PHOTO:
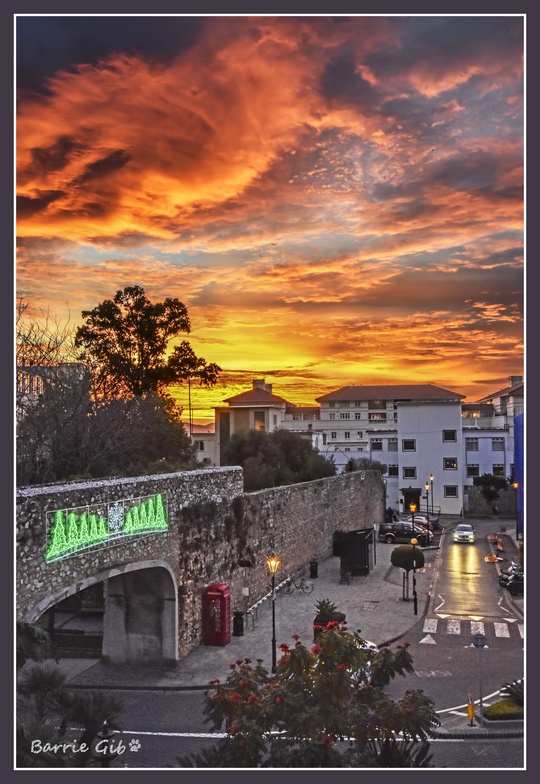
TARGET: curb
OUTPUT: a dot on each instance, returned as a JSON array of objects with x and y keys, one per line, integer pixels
[{"x": 487, "y": 734}]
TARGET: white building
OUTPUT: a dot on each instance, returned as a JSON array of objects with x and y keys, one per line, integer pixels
[{"x": 423, "y": 434}]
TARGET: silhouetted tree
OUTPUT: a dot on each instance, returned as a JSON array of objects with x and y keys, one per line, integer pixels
[{"x": 125, "y": 341}]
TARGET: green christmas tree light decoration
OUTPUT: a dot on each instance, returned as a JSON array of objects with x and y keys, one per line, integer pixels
[
  {"x": 58, "y": 537},
  {"x": 89, "y": 530}
]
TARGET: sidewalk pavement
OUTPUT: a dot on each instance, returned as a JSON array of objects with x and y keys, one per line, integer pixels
[{"x": 373, "y": 605}]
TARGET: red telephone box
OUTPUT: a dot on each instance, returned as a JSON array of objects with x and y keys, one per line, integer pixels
[{"x": 217, "y": 614}]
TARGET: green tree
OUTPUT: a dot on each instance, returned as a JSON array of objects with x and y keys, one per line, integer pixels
[
  {"x": 407, "y": 557},
  {"x": 318, "y": 698},
  {"x": 125, "y": 341},
  {"x": 277, "y": 458},
  {"x": 365, "y": 464},
  {"x": 490, "y": 487}
]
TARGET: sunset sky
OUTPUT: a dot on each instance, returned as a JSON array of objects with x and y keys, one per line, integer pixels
[{"x": 336, "y": 200}]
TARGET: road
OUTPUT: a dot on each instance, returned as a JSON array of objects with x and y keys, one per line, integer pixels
[{"x": 466, "y": 599}]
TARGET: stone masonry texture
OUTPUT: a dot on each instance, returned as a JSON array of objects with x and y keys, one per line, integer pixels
[{"x": 212, "y": 525}]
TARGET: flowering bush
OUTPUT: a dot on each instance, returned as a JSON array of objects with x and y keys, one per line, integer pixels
[{"x": 318, "y": 697}]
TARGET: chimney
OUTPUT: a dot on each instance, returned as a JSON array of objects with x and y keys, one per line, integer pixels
[
  {"x": 513, "y": 380},
  {"x": 268, "y": 387},
  {"x": 258, "y": 383}
]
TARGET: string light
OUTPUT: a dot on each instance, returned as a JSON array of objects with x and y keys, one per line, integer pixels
[{"x": 71, "y": 532}]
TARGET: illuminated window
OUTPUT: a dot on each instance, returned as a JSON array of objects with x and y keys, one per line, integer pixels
[
  {"x": 377, "y": 417},
  {"x": 450, "y": 463}
]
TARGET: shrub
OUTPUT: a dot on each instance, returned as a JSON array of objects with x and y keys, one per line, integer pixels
[{"x": 503, "y": 710}]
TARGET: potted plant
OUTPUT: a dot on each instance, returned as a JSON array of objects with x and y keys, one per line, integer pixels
[{"x": 326, "y": 612}]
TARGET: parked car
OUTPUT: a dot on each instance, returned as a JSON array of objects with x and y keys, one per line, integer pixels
[
  {"x": 419, "y": 520},
  {"x": 402, "y": 532},
  {"x": 464, "y": 533},
  {"x": 420, "y": 517}
]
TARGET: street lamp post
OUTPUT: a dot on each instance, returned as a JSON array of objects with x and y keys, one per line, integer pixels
[
  {"x": 516, "y": 485},
  {"x": 431, "y": 483},
  {"x": 479, "y": 641},
  {"x": 415, "y": 598},
  {"x": 273, "y": 564},
  {"x": 427, "y": 513}
]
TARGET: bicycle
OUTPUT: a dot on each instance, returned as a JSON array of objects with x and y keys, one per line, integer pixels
[{"x": 305, "y": 585}]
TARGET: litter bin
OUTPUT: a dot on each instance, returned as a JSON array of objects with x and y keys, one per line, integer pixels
[
  {"x": 313, "y": 569},
  {"x": 238, "y": 623}
]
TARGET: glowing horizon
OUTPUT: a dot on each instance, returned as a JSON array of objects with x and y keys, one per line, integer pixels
[{"x": 336, "y": 201}]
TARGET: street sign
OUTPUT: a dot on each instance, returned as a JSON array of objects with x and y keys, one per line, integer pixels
[
  {"x": 470, "y": 708},
  {"x": 479, "y": 640}
]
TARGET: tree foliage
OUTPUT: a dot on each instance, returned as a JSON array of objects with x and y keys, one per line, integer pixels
[
  {"x": 319, "y": 697},
  {"x": 277, "y": 458},
  {"x": 490, "y": 486},
  {"x": 125, "y": 341},
  {"x": 365, "y": 464},
  {"x": 407, "y": 557}
]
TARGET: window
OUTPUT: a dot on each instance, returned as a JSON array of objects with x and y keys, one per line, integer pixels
[
  {"x": 258, "y": 420},
  {"x": 409, "y": 472},
  {"x": 275, "y": 419},
  {"x": 347, "y": 434},
  {"x": 449, "y": 435},
  {"x": 333, "y": 434},
  {"x": 331, "y": 405},
  {"x": 377, "y": 417},
  {"x": 347, "y": 449},
  {"x": 324, "y": 439},
  {"x": 332, "y": 416},
  {"x": 344, "y": 404},
  {"x": 473, "y": 469},
  {"x": 295, "y": 418},
  {"x": 200, "y": 446},
  {"x": 357, "y": 403},
  {"x": 393, "y": 470},
  {"x": 450, "y": 463},
  {"x": 344, "y": 416},
  {"x": 471, "y": 444},
  {"x": 497, "y": 444},
  {"x": 450, "y": 491},
  {"x": 377, "y": 404},
  {"x": 359, "y": 433},
  {"x": 376, "y": 444},
  {"x": 409, "y": 444},
  {"x": 498, "y": 469},
  {"x": 392, "y": 444},
  {"x": 358, "y": 415}
]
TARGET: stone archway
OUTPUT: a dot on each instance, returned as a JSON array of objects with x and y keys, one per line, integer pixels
[{"x": 141, "y": 617}]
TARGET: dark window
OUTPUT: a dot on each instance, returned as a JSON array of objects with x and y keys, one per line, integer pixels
[
  {"x": 471, "y": 444},
  {"x": 449, "y": 435},
  {"x": 498, "y": 470},
  {"x": 377, "y": 404},
  {"x": 497, "y": 444},
  {"x": 473, "y": 470},
  {"x": 450, "y": 491},
  {"x": 409, "y": 445},
  {"x": 409, "y": 472},
  {"x": 392, "y": 444},
  {"x": 347, "y": 434},
  {"x": 393, "y": 470},
  {"x": 376, "y": 445}
]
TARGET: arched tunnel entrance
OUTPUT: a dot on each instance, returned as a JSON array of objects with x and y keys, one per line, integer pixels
[{"x": 127, "y": 614}]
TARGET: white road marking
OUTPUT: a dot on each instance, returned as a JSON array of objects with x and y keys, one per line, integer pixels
[
  {"x": 477, "y": 627},
  {"x": 510, "y": 620},
  {"x": 454, "y": 627},
  {"x": 429, "y": 639},
  {"x": 430, "y": 625},
  {"x": 521, "y": 630},
  {"x": 501, "y": 630},
  {"x": 441, "y": 604}
]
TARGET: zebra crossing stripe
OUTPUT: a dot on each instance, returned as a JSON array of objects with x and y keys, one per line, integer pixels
[
  {"x": 454, "y": 627},
  {"x": 477, "y": 627},
  {"x": 501, "y": 630},
  {"x": 430, "y": 625},
  {"x": 521, "y": 630}
]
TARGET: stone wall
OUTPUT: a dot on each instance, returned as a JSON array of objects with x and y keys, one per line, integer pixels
[
  {"x": 477, "y": 504},
  {"x": 212, "y": 525}
]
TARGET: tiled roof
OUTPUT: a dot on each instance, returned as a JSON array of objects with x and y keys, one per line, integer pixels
[
  {"x": 391, "y": 392},
  {"x": 256, "y": 397},
  {"x": 503, "y": 392}
]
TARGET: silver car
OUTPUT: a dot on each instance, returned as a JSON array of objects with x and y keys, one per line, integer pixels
[{"x": 464, "y": 533}]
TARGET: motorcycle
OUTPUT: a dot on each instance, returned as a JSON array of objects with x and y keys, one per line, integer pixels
[
  {"x": 515, "y": 583},
  {"x": 504, "y": 576}
]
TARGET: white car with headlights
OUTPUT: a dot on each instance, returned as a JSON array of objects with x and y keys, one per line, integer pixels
[{"x": 464, "y": 533}]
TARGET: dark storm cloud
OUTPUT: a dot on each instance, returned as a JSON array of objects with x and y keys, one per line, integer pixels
[
  {"x": 104, "y": 166},
  {"x": 53, "y": 158},
  {"x": 48, "y": 44},
  {"x": 341, "y": 81},
  {"x": 28, "y": 206}
]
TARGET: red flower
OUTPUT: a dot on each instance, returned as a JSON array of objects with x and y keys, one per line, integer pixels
[
  {"x": 342, "y": 667},
  {"x": 295, "y": 637},
  {"x": 243, "y": 683},
  {"x": 280, "y": 699},
  {"x": 318, "y": 628},
  {"x": 248, "y": 661},
  {"x": 211, "y": 683},
  {"x": 316, "y": 649},
  {"x": 332, "y": 625},
  {"x": 232, "y": 666},
  {"x": 283, "y": 646},
  {"x": 239, "y": 661},
  {"x": 406, "y": 644},
  {"x": 253, "y": 698},
  {"x": 235, "y": 697},
  {"x": 234, "y": 728},
  {"x": 327, "y": 739}
]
